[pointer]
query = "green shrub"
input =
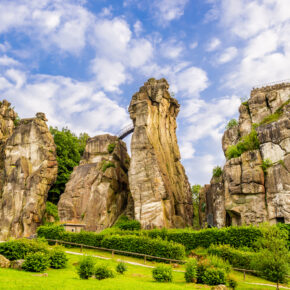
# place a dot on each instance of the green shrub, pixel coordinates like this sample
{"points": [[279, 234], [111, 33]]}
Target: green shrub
{"points": [[121, 268], [111, 147], [162, 273], [219, 263], [51, 210], [144, 245], [247, 143], [130, 225], [232, 123], [202, 266], [212, 276], [191, 271], [86, 267], [107, 164], [19, 249], [236, 257], [58, 259], [103, 272], [266, 164], [36, 262], [217, 171], [53, 232], [232, 283], [286, 228]]}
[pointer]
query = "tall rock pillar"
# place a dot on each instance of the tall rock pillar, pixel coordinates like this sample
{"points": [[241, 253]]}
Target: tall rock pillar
{"points": [[158, 183]]}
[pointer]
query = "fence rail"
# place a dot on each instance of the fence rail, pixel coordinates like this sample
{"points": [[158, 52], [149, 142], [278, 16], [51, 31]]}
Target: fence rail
{"points": [[256, 86], [117, 251]]}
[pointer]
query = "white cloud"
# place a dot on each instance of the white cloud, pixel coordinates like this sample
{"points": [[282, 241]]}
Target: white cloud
{"points": [[193, 45], [168, 10], [229, 54], [186, 150], [138, 27], [172, 49], [213, 44], [8, 61]]}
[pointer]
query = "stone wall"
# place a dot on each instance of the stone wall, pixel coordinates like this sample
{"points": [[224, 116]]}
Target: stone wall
{"points": [[158, 182]]}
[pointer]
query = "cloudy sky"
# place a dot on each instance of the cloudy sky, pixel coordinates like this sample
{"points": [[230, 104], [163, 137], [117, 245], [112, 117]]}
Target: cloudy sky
{"points": [[81, 61]]}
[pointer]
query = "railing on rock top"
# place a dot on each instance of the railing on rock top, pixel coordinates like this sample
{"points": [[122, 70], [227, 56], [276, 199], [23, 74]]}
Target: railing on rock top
{"points": [[126, 131]]}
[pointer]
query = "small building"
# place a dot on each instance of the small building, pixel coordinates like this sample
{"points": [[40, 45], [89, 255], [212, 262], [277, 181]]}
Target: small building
{"points": [[73, 227]]}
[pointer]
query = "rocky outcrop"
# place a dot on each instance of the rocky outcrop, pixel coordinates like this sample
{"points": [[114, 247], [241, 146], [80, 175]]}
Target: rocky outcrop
{"points": [[4, 263], [158, 182], [257, 184], [29, 168], [98, 190]]}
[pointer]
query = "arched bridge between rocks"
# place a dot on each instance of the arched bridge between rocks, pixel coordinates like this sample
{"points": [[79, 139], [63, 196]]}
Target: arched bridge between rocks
{"points": [[125, 131]]}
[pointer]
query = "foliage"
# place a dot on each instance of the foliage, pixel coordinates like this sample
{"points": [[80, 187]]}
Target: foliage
{"points": [[162, 273], [121, 268], [247, 143], [111, 147], [202, 266], [212, 276], [272, 260], [107, 164], [102, 271], [195, 189], [217, 171], [285, 228], [36, 262], [58, 259], [275, 116], [236, 257], [232, 123], [191, 271], [218, 262], [17, 121], [144, 245], [203, 207], [124, 223], [232, 283], [53, 232], [85, 268], [51, 210], [19, 249], [266, 164], [69, 149]]}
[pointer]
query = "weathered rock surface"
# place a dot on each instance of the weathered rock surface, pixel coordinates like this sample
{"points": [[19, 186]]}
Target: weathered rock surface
{"points": [[96, 195], [29, 169], [4, 263], [158, 182], [17, 264], [251, 195]]}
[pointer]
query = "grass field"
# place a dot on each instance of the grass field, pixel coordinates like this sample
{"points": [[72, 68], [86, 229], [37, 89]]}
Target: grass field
{"points": [[136, 278]]}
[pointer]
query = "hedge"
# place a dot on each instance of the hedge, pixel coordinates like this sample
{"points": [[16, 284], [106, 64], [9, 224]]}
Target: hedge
{"points": [[145, 245], [236, 257]]}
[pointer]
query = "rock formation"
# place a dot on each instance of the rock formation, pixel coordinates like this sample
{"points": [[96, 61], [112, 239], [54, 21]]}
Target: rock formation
{"points": [[29, 168], [253, 195], [98, 190], [158, 182]]}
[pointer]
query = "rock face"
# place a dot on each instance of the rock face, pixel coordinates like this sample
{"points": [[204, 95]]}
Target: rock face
{"points": [[158, 182], [29, 168], [253, 195], [98, 190], [4, 263]]}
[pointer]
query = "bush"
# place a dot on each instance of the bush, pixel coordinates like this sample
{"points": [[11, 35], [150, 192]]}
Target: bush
{"points": [[145, 245], [202, 266], [36, 262], [191, 271], [121, 268], [247, 143], [236, 257], [86, 267], [103, 272], [232, 123], [217, 171], [51, 210], [162, 273], [58, 259], [212, 276], [107, 164], [111, 147], [232, 283], [19, 249], [266, 164], [219, 263], [132, 225], [53, 232]]}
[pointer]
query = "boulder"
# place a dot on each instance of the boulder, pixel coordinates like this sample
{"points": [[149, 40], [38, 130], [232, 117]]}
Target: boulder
{"points": [[17, 264], [4, 263]]}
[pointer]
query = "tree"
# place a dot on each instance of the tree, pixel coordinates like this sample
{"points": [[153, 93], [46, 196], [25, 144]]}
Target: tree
{"points": [[69, 149], [272, 260], [195, 189]]}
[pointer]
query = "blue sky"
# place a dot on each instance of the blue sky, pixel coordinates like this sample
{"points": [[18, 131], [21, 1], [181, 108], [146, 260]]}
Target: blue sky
{"points": [[81, 61]]}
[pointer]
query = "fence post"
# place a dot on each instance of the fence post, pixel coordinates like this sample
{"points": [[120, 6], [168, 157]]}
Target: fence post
{"points": [[144, 259], [81, 248], [112, 254], [244, 275]]}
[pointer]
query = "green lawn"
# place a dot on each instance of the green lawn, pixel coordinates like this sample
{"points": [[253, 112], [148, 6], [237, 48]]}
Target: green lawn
{"points": [[136, 278]]}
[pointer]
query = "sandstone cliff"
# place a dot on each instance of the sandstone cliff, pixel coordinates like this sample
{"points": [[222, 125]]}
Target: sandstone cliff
{"points": [[257, 183], [29, 168], [158, 182], [98, 190]]}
